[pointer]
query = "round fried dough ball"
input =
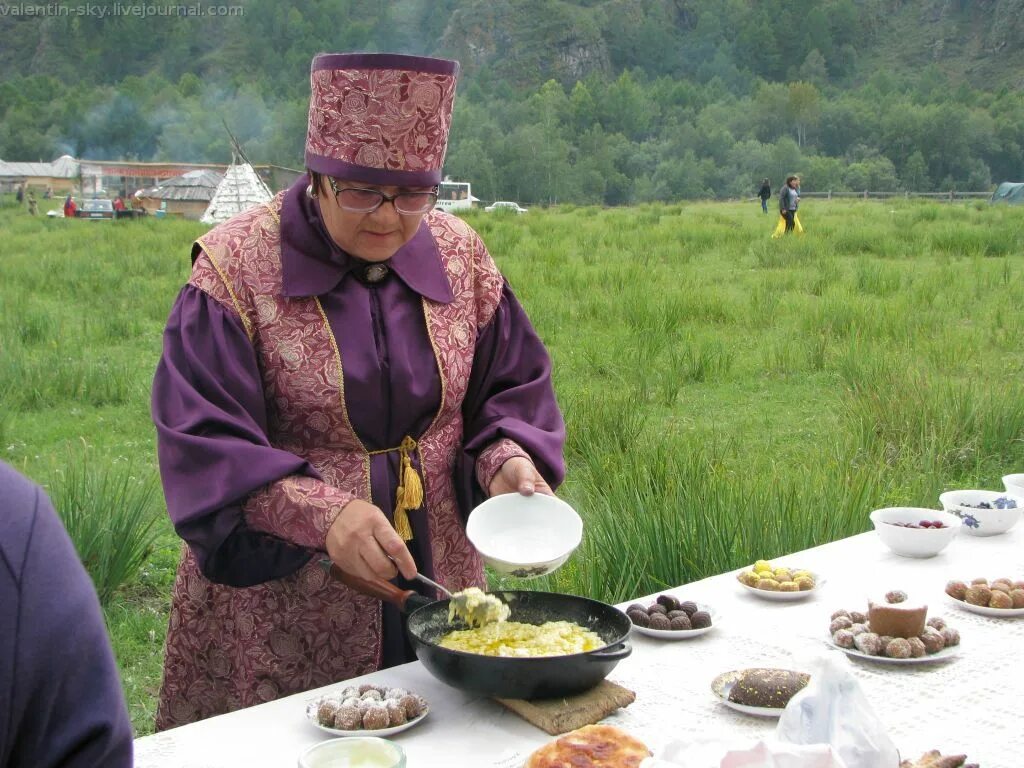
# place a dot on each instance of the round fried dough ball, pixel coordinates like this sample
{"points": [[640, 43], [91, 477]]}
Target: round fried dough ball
{"points": [[898, 648], [951, 636], [858, 618], [348, 719], [670, 602], [980, 580], [660, 621], [979, 594], [1000, 600], [412, 706], [956, 589], [789, 586], [396, 713], [657, 608], [1017, 596], [689, 606], [700, 620], [917, 649], [770, 585], [933, 640], [868, 643], [680, 622], [936, 622], [804, 583], [840, 612], [1001, 586], [640, 618], [843, 638], [376, 718], [859, 629], [843, 622], [326, 711]]}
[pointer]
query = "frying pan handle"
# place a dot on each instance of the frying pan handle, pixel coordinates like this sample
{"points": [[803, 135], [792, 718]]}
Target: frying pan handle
{"points": [[611, 654], [404, 599]]}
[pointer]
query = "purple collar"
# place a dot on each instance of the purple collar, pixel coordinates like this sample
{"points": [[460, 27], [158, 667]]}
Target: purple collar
{"points": [[312, 264]]}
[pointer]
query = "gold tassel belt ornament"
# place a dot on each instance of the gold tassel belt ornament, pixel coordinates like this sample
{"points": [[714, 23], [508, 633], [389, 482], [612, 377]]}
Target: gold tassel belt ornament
{"points": [[410, 487]]}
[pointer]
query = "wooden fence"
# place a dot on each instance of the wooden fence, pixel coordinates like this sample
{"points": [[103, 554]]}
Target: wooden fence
{"points": [[946, 197]]}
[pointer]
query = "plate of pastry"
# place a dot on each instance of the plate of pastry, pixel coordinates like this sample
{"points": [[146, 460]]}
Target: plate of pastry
{"points": [[366, 710], [779, 583], [668, 618], [758, 691], [1001, 598]]}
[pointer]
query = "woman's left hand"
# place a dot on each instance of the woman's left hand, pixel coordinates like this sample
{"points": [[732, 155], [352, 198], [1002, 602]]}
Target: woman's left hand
{"points": [[518, 475]]}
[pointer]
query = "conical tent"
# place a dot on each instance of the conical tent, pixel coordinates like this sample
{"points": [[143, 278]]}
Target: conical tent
{"points": [[242, 188]]}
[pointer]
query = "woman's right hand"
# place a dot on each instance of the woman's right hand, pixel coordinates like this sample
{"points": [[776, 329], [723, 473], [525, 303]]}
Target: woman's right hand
{"points": [[363, 542]]}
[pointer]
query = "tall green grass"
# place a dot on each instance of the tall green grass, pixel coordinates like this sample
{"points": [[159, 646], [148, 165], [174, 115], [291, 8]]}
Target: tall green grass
{"points": [[728, 397]]}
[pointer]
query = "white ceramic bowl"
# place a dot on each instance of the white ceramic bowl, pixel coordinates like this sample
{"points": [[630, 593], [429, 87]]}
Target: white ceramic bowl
{"points": [[982, 522], [524, 536], [1014, 484], [352, 752], [914, 542]]}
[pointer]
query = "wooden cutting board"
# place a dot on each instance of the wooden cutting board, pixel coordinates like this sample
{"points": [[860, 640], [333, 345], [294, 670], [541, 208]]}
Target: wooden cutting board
{"points": [[558, 716]]}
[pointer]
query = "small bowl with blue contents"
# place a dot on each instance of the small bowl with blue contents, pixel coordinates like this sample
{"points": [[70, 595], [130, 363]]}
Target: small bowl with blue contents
{"points": [[984, 513]]}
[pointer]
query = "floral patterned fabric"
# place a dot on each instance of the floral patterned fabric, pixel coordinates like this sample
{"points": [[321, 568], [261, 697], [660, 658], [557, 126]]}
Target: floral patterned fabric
{"points": [[388, 113], [233, 647]]}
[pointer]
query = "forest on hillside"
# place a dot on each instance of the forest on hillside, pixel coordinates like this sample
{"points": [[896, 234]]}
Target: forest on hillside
{"points": [[595, 101]]}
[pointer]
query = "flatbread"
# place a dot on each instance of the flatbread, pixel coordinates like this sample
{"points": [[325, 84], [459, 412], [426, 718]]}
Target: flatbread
{"points": [[592, 746]]}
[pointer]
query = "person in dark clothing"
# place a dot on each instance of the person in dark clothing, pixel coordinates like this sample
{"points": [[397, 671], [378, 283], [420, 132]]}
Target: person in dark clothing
{"points": [[764, 193], [61, 703], [789, 201]]}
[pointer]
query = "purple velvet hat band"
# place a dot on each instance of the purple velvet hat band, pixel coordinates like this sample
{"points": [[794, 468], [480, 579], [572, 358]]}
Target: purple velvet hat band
{"points": [[380, 118]]}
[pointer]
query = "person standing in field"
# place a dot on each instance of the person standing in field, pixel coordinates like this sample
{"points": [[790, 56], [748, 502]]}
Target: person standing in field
{"points": [[764, 193], [789, 201], [61, 701], [345, 375], [33, 207]]}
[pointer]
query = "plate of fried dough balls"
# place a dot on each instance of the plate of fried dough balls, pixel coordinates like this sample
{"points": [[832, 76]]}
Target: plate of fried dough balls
{"points": [[366, 710], [1001, 598], [669, 618]]}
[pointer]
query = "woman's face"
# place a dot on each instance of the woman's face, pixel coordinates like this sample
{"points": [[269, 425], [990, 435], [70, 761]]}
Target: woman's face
{"points": [[374, 236]]}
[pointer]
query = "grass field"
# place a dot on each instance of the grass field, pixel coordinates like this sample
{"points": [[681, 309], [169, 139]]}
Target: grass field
{"points": [[728, 397]]}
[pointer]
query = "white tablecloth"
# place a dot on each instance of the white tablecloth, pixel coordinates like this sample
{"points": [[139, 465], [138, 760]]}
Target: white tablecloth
{"points": [[969, 705]]}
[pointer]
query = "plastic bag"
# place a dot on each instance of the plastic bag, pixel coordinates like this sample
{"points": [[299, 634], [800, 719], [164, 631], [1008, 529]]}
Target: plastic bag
{"points": [[780, 228], [833, 710], [705, 753]]}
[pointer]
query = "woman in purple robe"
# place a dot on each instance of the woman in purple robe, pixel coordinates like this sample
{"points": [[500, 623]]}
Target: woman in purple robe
{"points": [[344, 375]]}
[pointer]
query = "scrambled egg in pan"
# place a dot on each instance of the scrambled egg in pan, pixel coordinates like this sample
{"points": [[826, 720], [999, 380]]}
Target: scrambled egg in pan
{"points": [[510, 638]]}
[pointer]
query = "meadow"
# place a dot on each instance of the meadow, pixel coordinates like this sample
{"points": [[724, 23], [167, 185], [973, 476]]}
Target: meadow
{"points": [[728, 397]]}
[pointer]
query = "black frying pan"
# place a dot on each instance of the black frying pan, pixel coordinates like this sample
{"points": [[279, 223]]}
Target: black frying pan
{"points": [[504, 677]]}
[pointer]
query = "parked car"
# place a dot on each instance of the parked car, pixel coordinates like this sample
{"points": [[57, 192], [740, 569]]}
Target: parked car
{"points": [[97, 209], [505, 206]]}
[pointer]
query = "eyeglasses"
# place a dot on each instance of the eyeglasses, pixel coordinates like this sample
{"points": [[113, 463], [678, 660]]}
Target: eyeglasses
{"points": [[359, 200]]}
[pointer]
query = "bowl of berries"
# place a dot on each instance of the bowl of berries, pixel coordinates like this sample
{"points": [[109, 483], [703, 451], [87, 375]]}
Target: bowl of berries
{"points": [[914, 531], [984, 513]]}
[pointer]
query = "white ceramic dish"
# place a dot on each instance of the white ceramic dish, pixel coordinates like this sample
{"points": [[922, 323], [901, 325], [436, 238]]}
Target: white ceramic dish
{"points": [[783, 597], [1014, 484], [984, 610], [314, 704], [524, 536], [680, 634], [982, 522], [721, 686], [915, 542], [339, 753], [946, 654]]}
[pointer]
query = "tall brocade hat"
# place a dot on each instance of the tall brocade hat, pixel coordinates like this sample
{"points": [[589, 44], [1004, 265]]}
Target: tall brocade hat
{"points": [[381, 118]]}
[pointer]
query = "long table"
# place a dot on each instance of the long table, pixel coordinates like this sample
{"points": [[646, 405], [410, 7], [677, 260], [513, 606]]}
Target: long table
{"points": [[971, 704]]}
